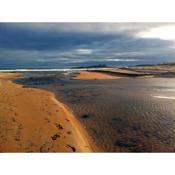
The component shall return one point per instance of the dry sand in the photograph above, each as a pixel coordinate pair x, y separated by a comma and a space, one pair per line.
86, 75
32, 120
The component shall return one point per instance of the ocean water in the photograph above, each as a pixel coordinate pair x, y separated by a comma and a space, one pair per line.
119, 62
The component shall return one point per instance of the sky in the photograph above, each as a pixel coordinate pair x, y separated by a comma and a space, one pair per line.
67, 45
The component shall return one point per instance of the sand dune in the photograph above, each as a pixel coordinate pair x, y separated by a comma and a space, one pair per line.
32, 120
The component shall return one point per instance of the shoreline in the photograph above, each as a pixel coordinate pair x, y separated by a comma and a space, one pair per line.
77, 141
87, 111
77, 125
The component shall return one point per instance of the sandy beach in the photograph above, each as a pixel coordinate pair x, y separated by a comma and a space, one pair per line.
87, 75
107, 110
32, 120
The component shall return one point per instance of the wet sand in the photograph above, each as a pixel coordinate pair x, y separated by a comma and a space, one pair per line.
124, 115
133, 114
32, 120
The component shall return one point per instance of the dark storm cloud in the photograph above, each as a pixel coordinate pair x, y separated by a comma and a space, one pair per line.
21, 38
69, 44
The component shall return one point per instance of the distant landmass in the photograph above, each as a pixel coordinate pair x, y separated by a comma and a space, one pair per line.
93, 66
168, 63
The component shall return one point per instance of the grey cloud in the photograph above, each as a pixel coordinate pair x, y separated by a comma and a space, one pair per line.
68, 44
112, 27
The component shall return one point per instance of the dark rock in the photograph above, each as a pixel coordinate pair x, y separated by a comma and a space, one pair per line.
55, 136
59, 126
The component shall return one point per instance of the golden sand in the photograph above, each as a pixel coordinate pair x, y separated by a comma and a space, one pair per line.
32, 120
86, 75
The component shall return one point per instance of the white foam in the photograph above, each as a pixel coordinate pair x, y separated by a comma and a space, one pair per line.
165, 97
47, 70
33, 70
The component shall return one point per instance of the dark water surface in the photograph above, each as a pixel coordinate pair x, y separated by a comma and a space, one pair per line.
127, 115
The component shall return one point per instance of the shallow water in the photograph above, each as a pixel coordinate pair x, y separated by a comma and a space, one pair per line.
123, 115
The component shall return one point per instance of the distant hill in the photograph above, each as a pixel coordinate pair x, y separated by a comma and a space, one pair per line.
168, 64
160, 64
93, 66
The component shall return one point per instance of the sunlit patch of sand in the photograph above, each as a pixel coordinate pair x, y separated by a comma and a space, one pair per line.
86, 75
32, 120
9, 75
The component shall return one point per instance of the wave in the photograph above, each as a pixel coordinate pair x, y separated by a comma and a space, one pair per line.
38, 70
